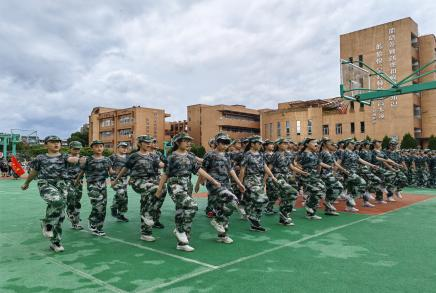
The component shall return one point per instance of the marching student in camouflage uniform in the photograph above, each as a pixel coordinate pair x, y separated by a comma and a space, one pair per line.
217, 164
333, 185
158, 202
236, 157
312, 184
395, 156
268, 147
97, 169
120, 200
74, 192
143, 167
209, 210
409, 160
253, 169
373, 182
280, 165
50, 170
385, 171
355, 184
181, 164
421, 169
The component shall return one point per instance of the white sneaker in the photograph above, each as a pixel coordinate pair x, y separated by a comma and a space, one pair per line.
242, 211
309, 210
218, 227
381, 202
225, 239
384, 190
181, 236
367, 204
185, 247
330, 206
56, 247
148, 238
313, 217
148, 220
351, 209
45, 232
371, 197
399, 195
391, 199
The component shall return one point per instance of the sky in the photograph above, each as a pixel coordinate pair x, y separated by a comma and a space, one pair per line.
60, 59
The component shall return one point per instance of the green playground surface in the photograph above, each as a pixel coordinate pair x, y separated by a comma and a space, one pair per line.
388, 252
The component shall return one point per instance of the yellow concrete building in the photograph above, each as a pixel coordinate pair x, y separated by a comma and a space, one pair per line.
124, 125
394, 48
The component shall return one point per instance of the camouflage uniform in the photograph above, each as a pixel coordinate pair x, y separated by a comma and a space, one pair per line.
333, 185
120, 200
400, 177
52, 189
432, 167
179, 170
411, 172
236, 159
421, 171
96, 172
355, 184
387, 176
158, 202
280, 163
144, 180
373, 181
313, 185
254, 196
270, 189
74, 193
218, 166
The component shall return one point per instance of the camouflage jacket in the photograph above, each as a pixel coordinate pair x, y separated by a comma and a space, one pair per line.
181, 165
143, 165
96, 170
72, 171
50, 168
280, 162
118, 162
327, 158
218, 166
309, 161
254, 163
350, 161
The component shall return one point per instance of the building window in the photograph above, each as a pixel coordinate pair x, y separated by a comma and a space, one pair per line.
298, 127
362, 126
350, 59
339, 128
279, 129
352, 128
417, 111
108, 145
360, 60
106, 122
238, 129
127, 131
325, 129
270, 130
351, 106
126, 119
105, 133
288, 128
309, 127
362, 107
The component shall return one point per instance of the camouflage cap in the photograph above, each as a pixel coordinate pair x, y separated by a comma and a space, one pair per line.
307, 140
181, 135
376, 140
52, 138
349, 140
366, 142
75, 144
211, 141
281, 140
223, 137
267, 142
325, 140
122, 144
256, 138
393, 141
145, 138
96, 142
244, 140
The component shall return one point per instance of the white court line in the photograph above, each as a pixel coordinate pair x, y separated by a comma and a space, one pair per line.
159, 251
193, 275
72, 269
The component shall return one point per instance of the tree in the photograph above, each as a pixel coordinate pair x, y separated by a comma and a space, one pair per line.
368, 138
198, 150
79, 136
408, 142
385, 142
432, 142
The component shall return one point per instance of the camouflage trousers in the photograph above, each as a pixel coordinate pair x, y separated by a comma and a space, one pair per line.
286, 192
254, 196
388, 181
225, 203
238, 193
158, 202
356, 186
271, 193
97, 193
180, 191
54, 193
333, 186
400, 180
314, 188
432, 181
411, 177
422, 176
146, 187
120, 199
373, 182
74, 195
